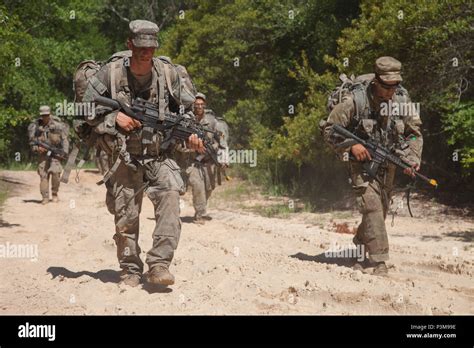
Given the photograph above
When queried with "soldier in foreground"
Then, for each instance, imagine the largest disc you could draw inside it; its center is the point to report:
(201, 172)
(48, 137)
(136, 156)
(360, 112)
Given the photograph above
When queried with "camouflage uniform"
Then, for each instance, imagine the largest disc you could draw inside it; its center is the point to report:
(200, 170)
(54, 133)
(373, 196)
(159, 170)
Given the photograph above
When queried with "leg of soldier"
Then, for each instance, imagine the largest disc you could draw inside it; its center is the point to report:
(198, 185)
(208, 195)
(55, 170)
(167, 229)
(389, 178)
(44, 179)
(121, 188)
(371, 232)
(164, 193)
(211, 176)
(210, 172)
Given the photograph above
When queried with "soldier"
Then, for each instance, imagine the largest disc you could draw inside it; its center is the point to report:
(360, 112)
(200, 169)
(50, 132)
(136, 156)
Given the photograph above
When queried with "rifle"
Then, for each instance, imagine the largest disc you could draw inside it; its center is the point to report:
(53, 151)
(173, 126)
(379, 155)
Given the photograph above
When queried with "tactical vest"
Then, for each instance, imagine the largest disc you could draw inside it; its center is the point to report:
(147, 141)
(369, 124)
(51, 133)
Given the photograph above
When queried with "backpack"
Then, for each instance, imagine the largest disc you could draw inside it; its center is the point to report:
(355, 85)
(357, 88)
(223, 128)
(84, 72)
(184, 93)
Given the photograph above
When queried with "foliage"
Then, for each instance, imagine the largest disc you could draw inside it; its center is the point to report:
(268, 67)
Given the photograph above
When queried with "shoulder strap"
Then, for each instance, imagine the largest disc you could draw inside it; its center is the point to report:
(361, 102)
(115, 71)
(163, 73)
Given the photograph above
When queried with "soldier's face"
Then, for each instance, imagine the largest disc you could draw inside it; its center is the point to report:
(141, 54)
(385, 90)
(199, 106)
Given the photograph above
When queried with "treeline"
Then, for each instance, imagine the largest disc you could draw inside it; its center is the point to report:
(267, 66)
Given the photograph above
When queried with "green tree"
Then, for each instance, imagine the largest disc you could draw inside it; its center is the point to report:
(433, 39)
(41, 43)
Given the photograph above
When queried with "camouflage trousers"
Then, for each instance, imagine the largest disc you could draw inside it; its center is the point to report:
(373, 200)
(49, 167)
(124, 200)
(202, 179)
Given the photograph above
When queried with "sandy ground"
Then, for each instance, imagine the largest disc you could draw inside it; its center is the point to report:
(238, 263)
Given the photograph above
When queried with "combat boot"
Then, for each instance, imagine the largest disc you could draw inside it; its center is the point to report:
(130, 279)
(360, 266)
(55, 198)
(45, 201)
(199, 220)
(160, 275)
(381, 269)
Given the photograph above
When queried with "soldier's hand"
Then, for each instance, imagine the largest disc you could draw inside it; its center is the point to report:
(360, 153)
(126, 122)
(196, 144)
(42, 149)
(411, 171)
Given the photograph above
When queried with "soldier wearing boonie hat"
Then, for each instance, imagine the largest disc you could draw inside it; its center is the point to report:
(143, 33)
(53, 132)
(388, 69)
(44, 110)
(139, 74)
(360, 112)
(199, 169)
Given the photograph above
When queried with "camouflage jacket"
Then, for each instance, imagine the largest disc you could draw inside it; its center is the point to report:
(54, 133)
(115, 80)
(400, 131)
(211, 122)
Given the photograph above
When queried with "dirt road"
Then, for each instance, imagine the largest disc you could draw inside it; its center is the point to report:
(238, 263)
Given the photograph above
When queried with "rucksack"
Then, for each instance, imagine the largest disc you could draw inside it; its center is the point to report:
(84, 72)
(87, 69)
(182, 92)
(357, 88)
